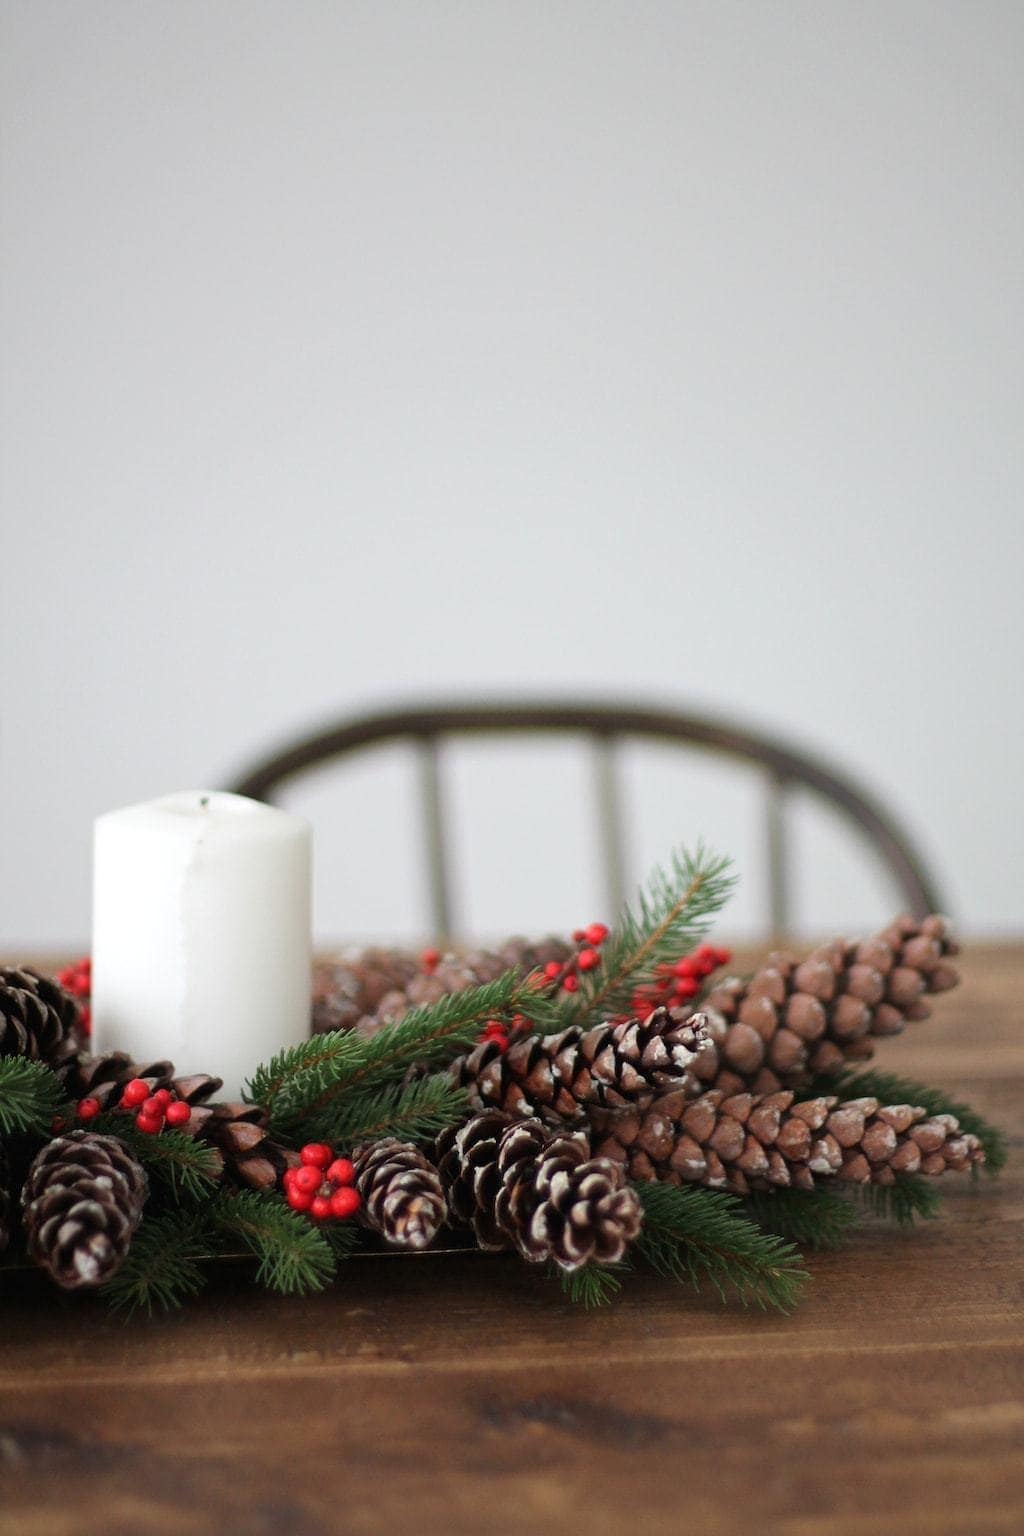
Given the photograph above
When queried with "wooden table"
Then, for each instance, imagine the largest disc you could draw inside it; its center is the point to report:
(463, 1396)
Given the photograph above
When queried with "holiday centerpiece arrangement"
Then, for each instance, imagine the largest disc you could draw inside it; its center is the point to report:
(591, 1106)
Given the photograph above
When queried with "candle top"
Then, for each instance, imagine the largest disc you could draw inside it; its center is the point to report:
(201, 813)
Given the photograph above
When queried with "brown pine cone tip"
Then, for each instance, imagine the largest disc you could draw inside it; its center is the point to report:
(401, 1192)
(38, 1019)
(795, 1018)
(611, 1065)
(83, 1200)
(751, 1141)
(520, 1185)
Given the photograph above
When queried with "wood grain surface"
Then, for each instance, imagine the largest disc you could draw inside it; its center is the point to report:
(461, 1395)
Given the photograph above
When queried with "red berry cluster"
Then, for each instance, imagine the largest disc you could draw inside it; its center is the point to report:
(77, 979)
(680, 981)
(430, 959)
(322, 1184)
(152, 1110)
(566, 974)
(496, 1032)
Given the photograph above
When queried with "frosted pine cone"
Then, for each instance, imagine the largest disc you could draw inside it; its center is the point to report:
(38, 1019)
(613, 1065)
(83, 1200)
(401, 1192)
(761, 1141)
(795, 1018)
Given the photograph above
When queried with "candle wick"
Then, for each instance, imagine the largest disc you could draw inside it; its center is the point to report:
(204, 801)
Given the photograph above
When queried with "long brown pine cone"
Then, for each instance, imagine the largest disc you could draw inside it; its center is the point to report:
(750, 1141)
(38, 1019)
(403, 1200)
(558, 1076)
(793, 1018)
(520, 1185)
(83, 1200)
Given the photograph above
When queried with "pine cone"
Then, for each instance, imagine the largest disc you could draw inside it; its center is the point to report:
(83, 1200)
(613, 1065)
(756, 1141)
(250, 1157)
(520, 1185)
(38, 1019)
(5, 1198)
(794, 1018)
(401, 1192)
(104, 1077)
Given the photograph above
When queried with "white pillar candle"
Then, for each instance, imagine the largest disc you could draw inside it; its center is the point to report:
(201, 933)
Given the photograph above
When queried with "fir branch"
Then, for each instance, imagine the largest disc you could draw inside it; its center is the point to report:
(674, 910)
(889, 1089)
(700, 1234)
(592, 1285)
(186, 1167)
(161, 1269)
(819, 1219)
(30, 1095)
(411, 1111)
(300, 1085)
(294, 1257)
(911, 1198)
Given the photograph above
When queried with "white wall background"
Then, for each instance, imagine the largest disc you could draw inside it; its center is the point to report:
(358, 351)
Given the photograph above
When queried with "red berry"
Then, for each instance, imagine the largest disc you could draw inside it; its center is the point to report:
(578, 935)
(298, 1199)
(552, 969)
(307, 1178)
(320, 1208)
(342, 1171)
(345, 1202)
(685, 967)
(595, 933)
(317, 1154)
(179, 1113)
(135, 1093)
(723, 956)
(288, 1177)
(587, 959)
(571, 984)
(85, 1020)
(520, 1024)
(430, 959)
(501, 1042)
(150, 1125)
(153, 1107)
(57, 1124)
(88, 1109)
(163, 1096)
(686, 986)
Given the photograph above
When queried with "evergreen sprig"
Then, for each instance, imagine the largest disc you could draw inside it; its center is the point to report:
(671, 913)
(294, 1256)
(911, 1198)
(593, 1285)
(30, 1095)
(696, 1235)
(819, 1219)
(411, 1111)
(889, 1089)
(305, 1083)
(161, 1269)
(188, 1169)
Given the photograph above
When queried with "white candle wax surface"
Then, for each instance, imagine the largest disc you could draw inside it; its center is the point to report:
(201, 933)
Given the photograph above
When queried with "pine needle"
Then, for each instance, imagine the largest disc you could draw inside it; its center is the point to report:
(30, 1095)
(697, 1235)
(889, 1089)
(160, 1270)
(593, 1285)
(294, 1257)
(670, 915)
(411, 1111)
(911, 1198)
(819, 1219)
(187, 1168)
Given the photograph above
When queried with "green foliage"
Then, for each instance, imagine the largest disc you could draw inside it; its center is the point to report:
(186, 1168)
(161, 1270)
(670, 915)
(30, 1096)
(696, 1235)
(911, 1198)
(305, 1083)
(411, 1111)
(593, 1285)
(294, 1256)
(852, 1084)
(819, 1219)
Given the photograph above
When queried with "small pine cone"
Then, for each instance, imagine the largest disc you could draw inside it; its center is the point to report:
(794, 1018)
(5, 1198)
(613, 1065)
(401, 1193)
(250, 1157)
(763, 1141)
(83, 1200)
(38, 1019)
(523, 1186)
